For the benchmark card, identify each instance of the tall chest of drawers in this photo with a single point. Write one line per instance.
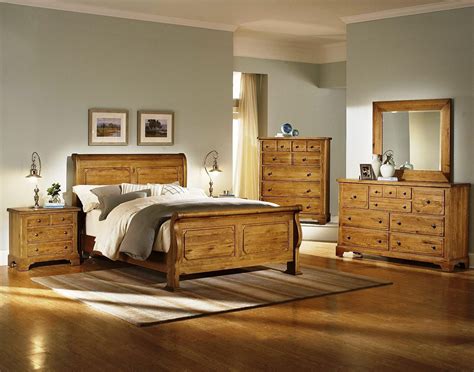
(410, 220)
(295, 170)
(42, 235)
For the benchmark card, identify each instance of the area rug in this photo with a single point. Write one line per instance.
(136, 295)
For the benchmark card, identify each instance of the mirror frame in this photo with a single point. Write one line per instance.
(444, 106)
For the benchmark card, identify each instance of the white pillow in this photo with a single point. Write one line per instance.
(88, 199)
(175, 189)
(156, 188)
(132, 187)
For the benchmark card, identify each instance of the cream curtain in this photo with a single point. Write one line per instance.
(246, 180)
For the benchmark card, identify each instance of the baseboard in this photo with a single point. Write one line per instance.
(471, 260)
(3, 258)
(321, 233)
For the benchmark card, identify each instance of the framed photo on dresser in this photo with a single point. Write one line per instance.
(155, 128)
(367, 172)
(108, 127)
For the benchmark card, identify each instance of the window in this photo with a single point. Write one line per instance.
(235, 121)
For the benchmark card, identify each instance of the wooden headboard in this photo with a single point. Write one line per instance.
(111, 169)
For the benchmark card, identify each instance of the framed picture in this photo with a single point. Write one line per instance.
(367, 172)
(155, 127)
(108, 127)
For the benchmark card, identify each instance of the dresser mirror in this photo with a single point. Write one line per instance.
(419, 134)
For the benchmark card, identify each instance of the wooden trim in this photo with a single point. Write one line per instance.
(444, 106)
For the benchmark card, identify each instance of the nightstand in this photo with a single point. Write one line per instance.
(40, 235)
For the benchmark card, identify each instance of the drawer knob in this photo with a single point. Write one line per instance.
(270, 173)
(380, 242)
(311, 147)
(428, 202)
(63, 219)
(354, 196)
(282, 146)
(274, 158)
(36, 234)
(380, 221)
(389, 193)
(399, 223)
(404, 193)
(38, 220)
(308, 207)
(404, 207)
(376, 191)
(376, 204)
(399, 242)
(65, 232)
(349, 218)
(348, 238)
(36, 249)
(65, 247)
(270, 189)
(304, 159)
(433, 247)
(308, 174)
(297, 147)
(433, 226)
(308, 191)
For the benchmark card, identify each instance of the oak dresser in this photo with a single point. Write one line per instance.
(410, 220)
(295, 171)
(42, 235)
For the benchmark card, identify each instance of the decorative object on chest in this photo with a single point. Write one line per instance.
(296, 171)
(410, 220)
(42, 235)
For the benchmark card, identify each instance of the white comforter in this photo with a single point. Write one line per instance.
(115, 226)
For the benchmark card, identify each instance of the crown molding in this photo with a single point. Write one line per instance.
(87, 9)
(412, 10)
(246, 46)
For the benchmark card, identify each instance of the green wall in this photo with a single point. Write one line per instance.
(56, 65)
(415, 57)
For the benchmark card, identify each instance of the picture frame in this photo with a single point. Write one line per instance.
(108, 127)
(155, 128)
(367, 172)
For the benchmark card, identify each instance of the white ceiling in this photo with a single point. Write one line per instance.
(296, 24)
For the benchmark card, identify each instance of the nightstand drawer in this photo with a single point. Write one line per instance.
(62, 219)
(39, 220)
(48, 234)
(50, 249)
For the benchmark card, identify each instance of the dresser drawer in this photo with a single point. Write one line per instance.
(376, 191)
(269, 145)
(62, 219)
(310, 205)
(364, 219)
(288, 173)
(391, 205)
(364, 238)
(306, 189)
(428, 201)
(283, 145)
(48, 234)
(416, 224)
(50, 249)
(389, 191)
(38, 220)
(298, 145)
(306, 158)
(417, 244)
(313, 146)
(403, 192)
(276, 158)
(354, 196)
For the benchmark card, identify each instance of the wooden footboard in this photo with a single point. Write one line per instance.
(208, 241)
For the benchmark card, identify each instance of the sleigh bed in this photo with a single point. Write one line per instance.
(200, 241)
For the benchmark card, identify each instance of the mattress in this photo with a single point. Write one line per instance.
(162, 240)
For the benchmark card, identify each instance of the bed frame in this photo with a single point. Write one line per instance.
(200, 241)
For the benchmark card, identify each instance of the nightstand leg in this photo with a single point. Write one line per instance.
(75, 261)
(22, 265)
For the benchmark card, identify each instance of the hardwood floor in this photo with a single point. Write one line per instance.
(424, 321)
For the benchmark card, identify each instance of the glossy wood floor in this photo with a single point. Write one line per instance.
(424, 321)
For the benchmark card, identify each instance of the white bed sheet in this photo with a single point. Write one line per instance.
(162, 241)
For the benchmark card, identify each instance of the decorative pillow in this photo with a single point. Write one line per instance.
(104, 191)
(112, 201)
(131, 187)
(88, 199)
(156, 188)
(173, 189)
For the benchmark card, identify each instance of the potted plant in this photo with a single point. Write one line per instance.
(388, 164)
(53, 193)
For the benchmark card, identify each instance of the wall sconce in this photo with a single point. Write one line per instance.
(35, 175)
(215, 167)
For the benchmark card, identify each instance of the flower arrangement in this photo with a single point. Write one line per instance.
(388, 157)
(53, 192)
